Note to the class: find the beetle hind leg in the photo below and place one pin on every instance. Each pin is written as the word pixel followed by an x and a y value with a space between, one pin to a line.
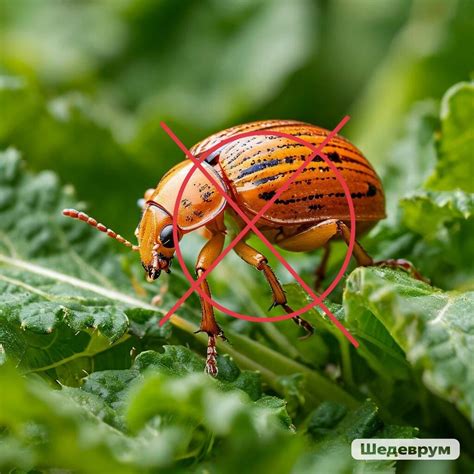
pixel 302 323
pixel 259 261
pixel 321 269
pixel 320 234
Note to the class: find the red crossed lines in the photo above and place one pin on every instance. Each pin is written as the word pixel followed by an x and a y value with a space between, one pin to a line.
pixel 251 225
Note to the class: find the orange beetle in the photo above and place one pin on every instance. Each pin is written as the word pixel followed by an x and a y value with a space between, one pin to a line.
pixel 311 212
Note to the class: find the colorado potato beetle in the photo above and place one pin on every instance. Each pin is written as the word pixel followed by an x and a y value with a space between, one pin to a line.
pixel 311 212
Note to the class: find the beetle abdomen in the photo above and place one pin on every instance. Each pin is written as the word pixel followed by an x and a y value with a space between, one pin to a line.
pixel 256 167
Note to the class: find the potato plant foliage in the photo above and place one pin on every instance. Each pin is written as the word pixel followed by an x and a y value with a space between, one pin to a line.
pixel 90 383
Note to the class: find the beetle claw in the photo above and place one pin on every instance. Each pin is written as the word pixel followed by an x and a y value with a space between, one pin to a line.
pixel 273 305
pixel 402 264
pixel 211 359
pixel 307 326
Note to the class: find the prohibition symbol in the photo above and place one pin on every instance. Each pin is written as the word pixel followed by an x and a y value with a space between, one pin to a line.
pixel 251 226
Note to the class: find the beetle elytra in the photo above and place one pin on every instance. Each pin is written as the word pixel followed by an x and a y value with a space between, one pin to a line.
pixel 311 212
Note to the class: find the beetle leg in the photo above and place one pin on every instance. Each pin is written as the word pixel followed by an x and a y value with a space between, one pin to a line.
pixel 207 255
pixel 318 235
pixel 260 262
pixel 321 269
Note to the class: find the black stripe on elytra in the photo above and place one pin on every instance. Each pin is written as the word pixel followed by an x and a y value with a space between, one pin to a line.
pixel 371 192
pixel 333 156
pixel 309 133
pixel 311 197
pixel 233 162
pixel 267 150
pixel 274 177
pixel 202 146
pixel 337 158
pixel 237 149
pixel 312 132
pixel 258 167
pixel 271 124
pixel 281 146
pixel 267 195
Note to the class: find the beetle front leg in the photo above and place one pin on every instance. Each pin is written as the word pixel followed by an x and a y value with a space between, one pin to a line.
pixel 208 254
pixel 260 262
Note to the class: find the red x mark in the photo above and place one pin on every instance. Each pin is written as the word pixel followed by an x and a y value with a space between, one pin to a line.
pixel 251 226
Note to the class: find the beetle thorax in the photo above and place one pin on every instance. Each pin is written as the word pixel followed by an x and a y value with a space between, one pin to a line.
pixel 200 201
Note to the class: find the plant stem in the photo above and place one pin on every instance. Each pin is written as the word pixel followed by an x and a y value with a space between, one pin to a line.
pixel 346 361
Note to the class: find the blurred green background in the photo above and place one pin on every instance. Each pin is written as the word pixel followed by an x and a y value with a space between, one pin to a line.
pixel 85 84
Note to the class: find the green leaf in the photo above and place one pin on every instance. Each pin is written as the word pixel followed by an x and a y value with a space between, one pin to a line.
pixel 292 387
pixel 325 418
pixel 454 169
pixel 443 220
pixel 51 429
pixel 412 157
pixel 128 422
pixel 332 429
pixel 380 350
pixel 62 302
pixel 435 215
pixel 168 393
pixel 434 328
pixel 429 227
pixel 247 435
pixel 174 361
pixel 178 361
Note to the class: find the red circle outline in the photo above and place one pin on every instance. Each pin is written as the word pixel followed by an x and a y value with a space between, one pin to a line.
pixel 318 300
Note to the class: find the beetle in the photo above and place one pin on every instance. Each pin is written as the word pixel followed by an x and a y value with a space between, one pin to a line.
pixel 308 215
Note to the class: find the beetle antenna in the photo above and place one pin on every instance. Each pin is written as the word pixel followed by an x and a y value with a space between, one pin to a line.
pixel 93 223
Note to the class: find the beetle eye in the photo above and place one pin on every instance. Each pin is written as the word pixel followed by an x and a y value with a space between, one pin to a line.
pixel 166 237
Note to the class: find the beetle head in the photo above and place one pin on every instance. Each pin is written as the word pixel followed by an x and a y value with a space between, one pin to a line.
pixel 155 237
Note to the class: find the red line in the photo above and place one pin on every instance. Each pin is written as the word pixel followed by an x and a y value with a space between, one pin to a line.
pixel 251 226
